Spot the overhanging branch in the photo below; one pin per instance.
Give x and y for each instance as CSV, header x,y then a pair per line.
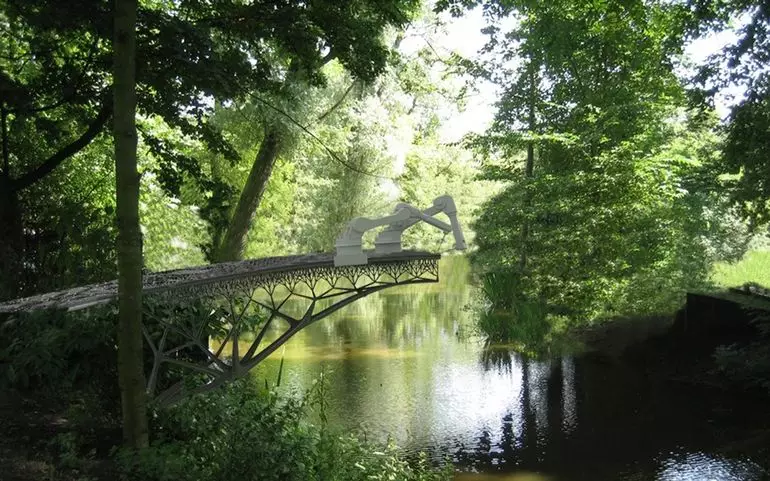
x,y
50,164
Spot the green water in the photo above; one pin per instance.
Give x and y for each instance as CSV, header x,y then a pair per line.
x,y
405,363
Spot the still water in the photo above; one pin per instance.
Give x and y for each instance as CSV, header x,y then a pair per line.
x,y
404,363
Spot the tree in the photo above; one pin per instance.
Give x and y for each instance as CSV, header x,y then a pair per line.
x,y
55,81
129,246
595,201
739,66
48,112
360,27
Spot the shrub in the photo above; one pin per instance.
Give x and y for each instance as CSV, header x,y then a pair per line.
x,y
250,434
57,352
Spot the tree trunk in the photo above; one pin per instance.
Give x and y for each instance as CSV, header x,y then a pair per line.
x,y
130,365
10,221
11,241
530,166
238,228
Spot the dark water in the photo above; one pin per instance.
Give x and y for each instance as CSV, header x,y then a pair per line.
x,y
405,363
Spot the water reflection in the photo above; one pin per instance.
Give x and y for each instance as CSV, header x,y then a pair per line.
x,y
701,466
397,366
520,476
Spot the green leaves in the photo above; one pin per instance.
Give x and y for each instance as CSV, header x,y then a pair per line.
x,y
240,432
611,219
745,152
737,74
193,57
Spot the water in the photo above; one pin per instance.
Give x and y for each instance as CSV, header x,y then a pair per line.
x,y
405,363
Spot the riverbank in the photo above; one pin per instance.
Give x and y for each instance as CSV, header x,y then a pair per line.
x,y
708,322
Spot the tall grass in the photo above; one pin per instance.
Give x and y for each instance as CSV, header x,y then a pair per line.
x,y
753,267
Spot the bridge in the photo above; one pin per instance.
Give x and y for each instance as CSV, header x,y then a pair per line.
x,y
242,305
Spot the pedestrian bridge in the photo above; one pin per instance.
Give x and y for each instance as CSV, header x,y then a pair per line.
x,y
253,307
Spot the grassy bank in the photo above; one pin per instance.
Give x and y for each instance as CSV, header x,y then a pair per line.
x,y
753,267
527,327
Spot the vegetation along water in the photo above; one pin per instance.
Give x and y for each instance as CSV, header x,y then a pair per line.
x,y
610,319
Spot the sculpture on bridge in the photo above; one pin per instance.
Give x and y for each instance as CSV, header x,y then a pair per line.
x,y
349,244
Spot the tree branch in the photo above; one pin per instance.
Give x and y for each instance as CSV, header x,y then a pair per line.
x,y
37,110
331,153
48,166
337,103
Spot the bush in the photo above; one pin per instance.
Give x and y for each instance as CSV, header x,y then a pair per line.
x,y
245,433
58,352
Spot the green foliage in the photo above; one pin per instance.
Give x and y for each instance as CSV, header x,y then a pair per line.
x,y
433,169
745,148
615,209
341,147
626,235
58,352
242,432
332,190
69,446
187,51
69,233
172,233
738,67
55,81
362,102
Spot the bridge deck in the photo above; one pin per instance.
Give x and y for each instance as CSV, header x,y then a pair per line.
x,y
241,274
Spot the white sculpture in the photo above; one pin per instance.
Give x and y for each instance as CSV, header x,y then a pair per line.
x,y
350,251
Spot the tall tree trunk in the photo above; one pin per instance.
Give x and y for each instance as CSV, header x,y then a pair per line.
x,y
11,241
130,365
238,228
11,234
530,166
